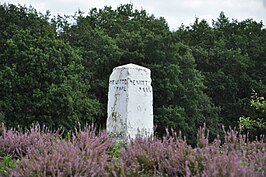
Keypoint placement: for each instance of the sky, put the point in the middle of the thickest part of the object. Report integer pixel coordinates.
(176, 12)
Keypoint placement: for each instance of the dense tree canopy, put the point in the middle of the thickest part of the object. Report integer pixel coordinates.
(41, 77)
(231, 56)
(55, 71)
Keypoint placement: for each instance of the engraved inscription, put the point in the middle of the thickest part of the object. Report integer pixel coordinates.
(143, 85)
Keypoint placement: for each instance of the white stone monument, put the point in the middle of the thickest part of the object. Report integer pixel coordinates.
(130, 102)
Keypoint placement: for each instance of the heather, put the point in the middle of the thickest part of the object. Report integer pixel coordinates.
(39, 151)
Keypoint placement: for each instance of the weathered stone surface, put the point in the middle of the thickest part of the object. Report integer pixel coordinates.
(130, 97)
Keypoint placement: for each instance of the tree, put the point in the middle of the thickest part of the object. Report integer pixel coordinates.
(231, 56)
(41, 77)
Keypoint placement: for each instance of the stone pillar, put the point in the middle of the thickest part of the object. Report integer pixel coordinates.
(130, 98)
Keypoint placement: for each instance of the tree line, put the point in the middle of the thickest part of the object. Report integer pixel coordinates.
(55, 70)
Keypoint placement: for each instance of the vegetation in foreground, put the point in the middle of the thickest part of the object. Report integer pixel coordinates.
(41, 152)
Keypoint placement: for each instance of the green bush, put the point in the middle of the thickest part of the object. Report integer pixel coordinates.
(7, 163)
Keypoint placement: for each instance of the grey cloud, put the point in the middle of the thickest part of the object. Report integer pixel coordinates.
(175, 12)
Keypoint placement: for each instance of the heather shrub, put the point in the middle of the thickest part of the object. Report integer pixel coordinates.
(62, 159)
(153, 156)
(172, 156)
(235, 157)
(83, 155)
(90, 139)
(87, 152)
(17, 142)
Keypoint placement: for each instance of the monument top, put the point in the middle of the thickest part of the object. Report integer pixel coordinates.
(131, 66)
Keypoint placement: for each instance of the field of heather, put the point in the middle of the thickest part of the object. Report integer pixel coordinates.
(86, 152)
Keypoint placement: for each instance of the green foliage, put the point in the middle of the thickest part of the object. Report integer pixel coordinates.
(41, 77)
(115, 149)
(231, 56)
(258, 102)
(254, 125)
(7, 163)
(247, 124)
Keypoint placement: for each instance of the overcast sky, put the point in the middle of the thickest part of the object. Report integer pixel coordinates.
(174, 11)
